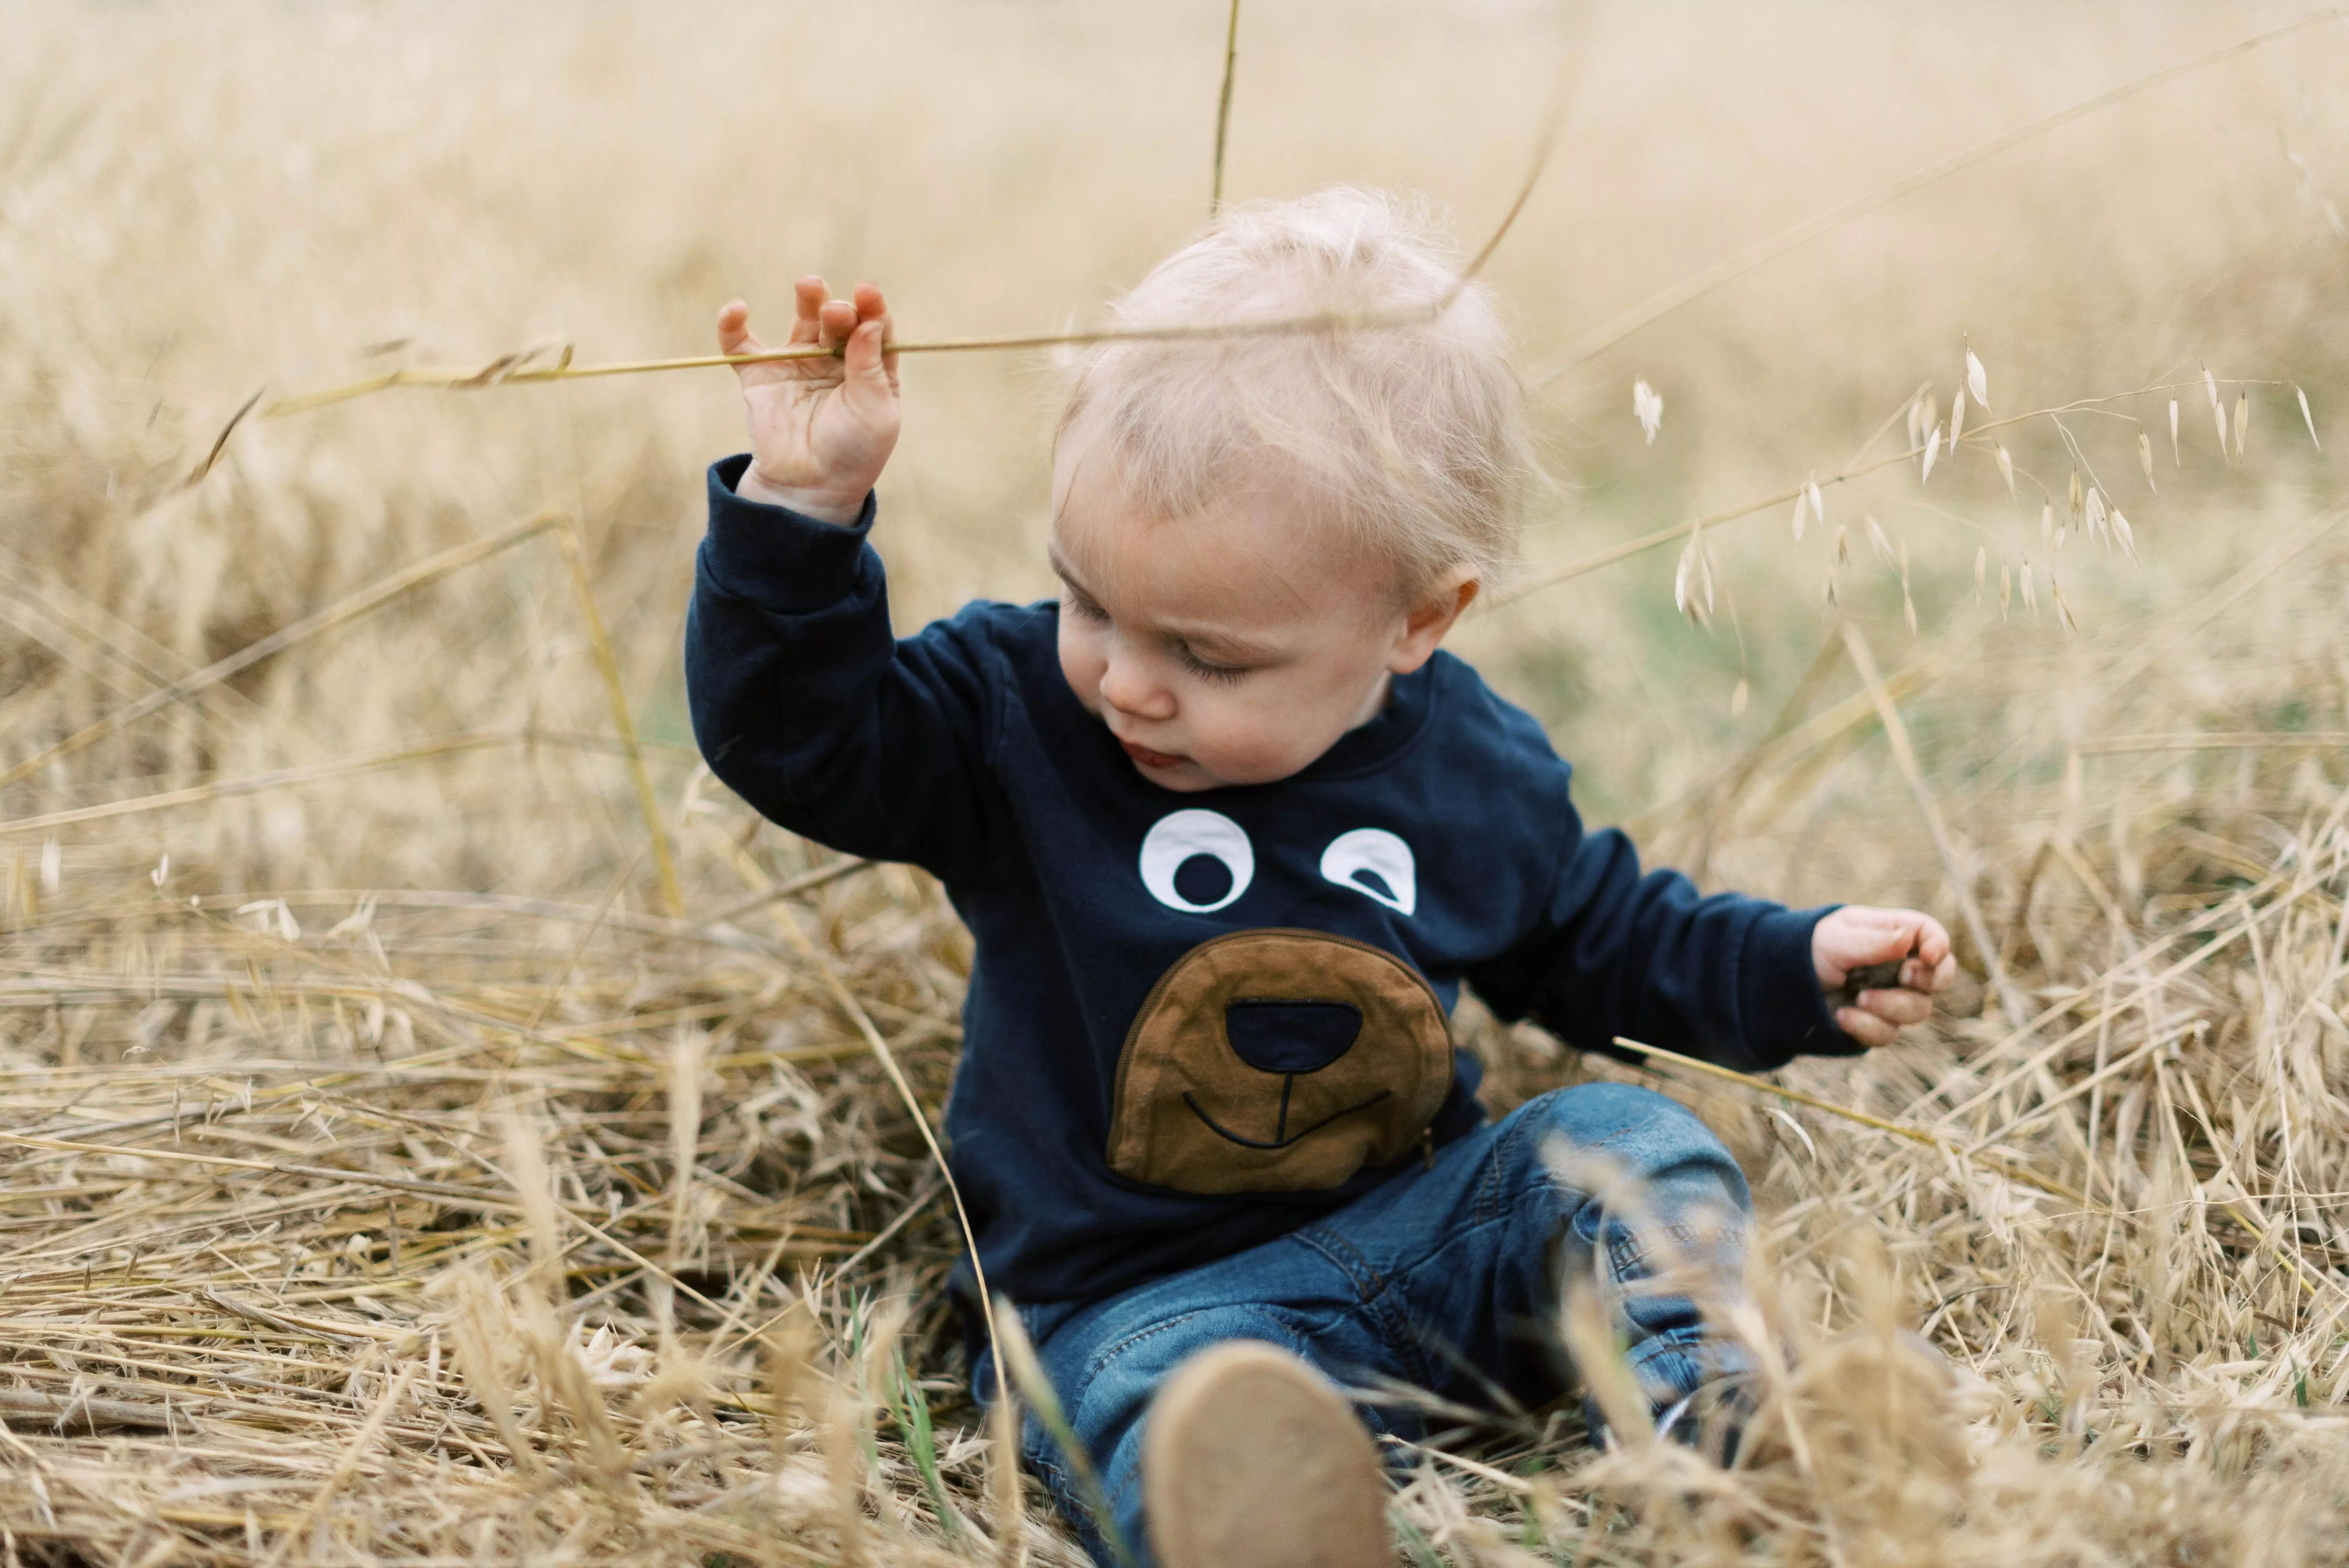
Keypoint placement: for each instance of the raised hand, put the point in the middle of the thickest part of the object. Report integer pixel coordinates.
(821, 429)
(1857, 937)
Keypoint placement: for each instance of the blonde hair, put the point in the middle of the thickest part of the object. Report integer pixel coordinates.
(1409, 429)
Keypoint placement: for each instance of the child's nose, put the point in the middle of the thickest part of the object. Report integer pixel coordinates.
(1128, 687)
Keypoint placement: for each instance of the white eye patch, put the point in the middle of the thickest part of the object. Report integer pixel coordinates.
(1184, 836)
(1368, 860)
(1376, 863)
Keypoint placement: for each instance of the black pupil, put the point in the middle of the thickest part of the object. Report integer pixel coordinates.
(1202, 879)
(1375, 882)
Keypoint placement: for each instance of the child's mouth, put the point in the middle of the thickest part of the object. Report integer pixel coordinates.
(1149, 758)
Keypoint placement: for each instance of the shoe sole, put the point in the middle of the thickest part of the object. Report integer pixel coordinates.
(1253, 1460)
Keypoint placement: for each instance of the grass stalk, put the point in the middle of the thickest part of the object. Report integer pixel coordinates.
(1961, 881)
(607, 667)
(364, 601)
(862, 1021)
(1026, 1372)
(347, 1467)
(509, 370)
(261, 783)
(1654, 308)
(1920, 1135)
(1223, 108)
(1009, 1515)
(1678, 532)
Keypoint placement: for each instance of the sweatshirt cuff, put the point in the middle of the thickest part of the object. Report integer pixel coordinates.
(1785, 1011)
(776, 557)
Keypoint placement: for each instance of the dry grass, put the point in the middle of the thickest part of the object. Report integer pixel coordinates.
(391, 1176)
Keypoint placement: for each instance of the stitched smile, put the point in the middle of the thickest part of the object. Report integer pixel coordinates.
(1224, 1132)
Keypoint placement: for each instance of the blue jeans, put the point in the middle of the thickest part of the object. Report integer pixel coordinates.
(1448, 1278)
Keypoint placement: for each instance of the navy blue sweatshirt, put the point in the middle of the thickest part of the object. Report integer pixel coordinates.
(1196, 1021)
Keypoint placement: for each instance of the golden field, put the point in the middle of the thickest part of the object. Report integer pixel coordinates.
(399, 1170)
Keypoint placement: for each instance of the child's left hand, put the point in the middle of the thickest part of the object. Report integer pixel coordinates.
(1856, 936)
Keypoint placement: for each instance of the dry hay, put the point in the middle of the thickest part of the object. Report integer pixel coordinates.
(354, 1224)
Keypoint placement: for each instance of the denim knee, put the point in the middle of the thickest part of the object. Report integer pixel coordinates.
(1625, 1132)
(1656, 1217)
(1117, 1379)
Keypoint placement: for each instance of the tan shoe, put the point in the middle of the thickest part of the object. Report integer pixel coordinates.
(1253, 1460)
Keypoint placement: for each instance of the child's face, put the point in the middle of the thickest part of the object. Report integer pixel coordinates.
(1234, 646)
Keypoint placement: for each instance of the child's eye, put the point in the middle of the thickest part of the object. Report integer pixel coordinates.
(1083, 608)
(1205, 669)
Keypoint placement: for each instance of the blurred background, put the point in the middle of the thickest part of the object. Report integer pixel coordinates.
(201, 200)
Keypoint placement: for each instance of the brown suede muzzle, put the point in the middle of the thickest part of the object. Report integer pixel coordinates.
(1277, 1061)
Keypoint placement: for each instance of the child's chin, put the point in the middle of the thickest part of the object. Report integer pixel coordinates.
(1190, 775)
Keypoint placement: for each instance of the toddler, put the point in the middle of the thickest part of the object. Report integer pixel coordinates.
(1230, 832)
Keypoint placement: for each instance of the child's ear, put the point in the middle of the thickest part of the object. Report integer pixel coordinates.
(1430, 620)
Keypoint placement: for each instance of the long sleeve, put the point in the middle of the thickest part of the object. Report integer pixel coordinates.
(809, 707)
(1727, 978)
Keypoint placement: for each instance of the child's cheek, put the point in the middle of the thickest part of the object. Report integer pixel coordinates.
(1244, 743)
(1082, 664)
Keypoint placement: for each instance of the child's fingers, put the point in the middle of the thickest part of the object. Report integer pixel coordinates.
(1933, 952)
(807, 306)
(1898, 1007)
(1894, 931)
(872, 307)
(734, 336)
(733, 325)
(734, 329)
(1932, 940)
(1856, 936)
(863, 358)
(836, 321)
(1864, 1027)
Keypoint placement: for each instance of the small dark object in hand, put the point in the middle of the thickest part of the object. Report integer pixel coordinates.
(1881, 976)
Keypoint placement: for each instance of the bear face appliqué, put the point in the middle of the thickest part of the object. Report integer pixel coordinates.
(1276, 1060)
